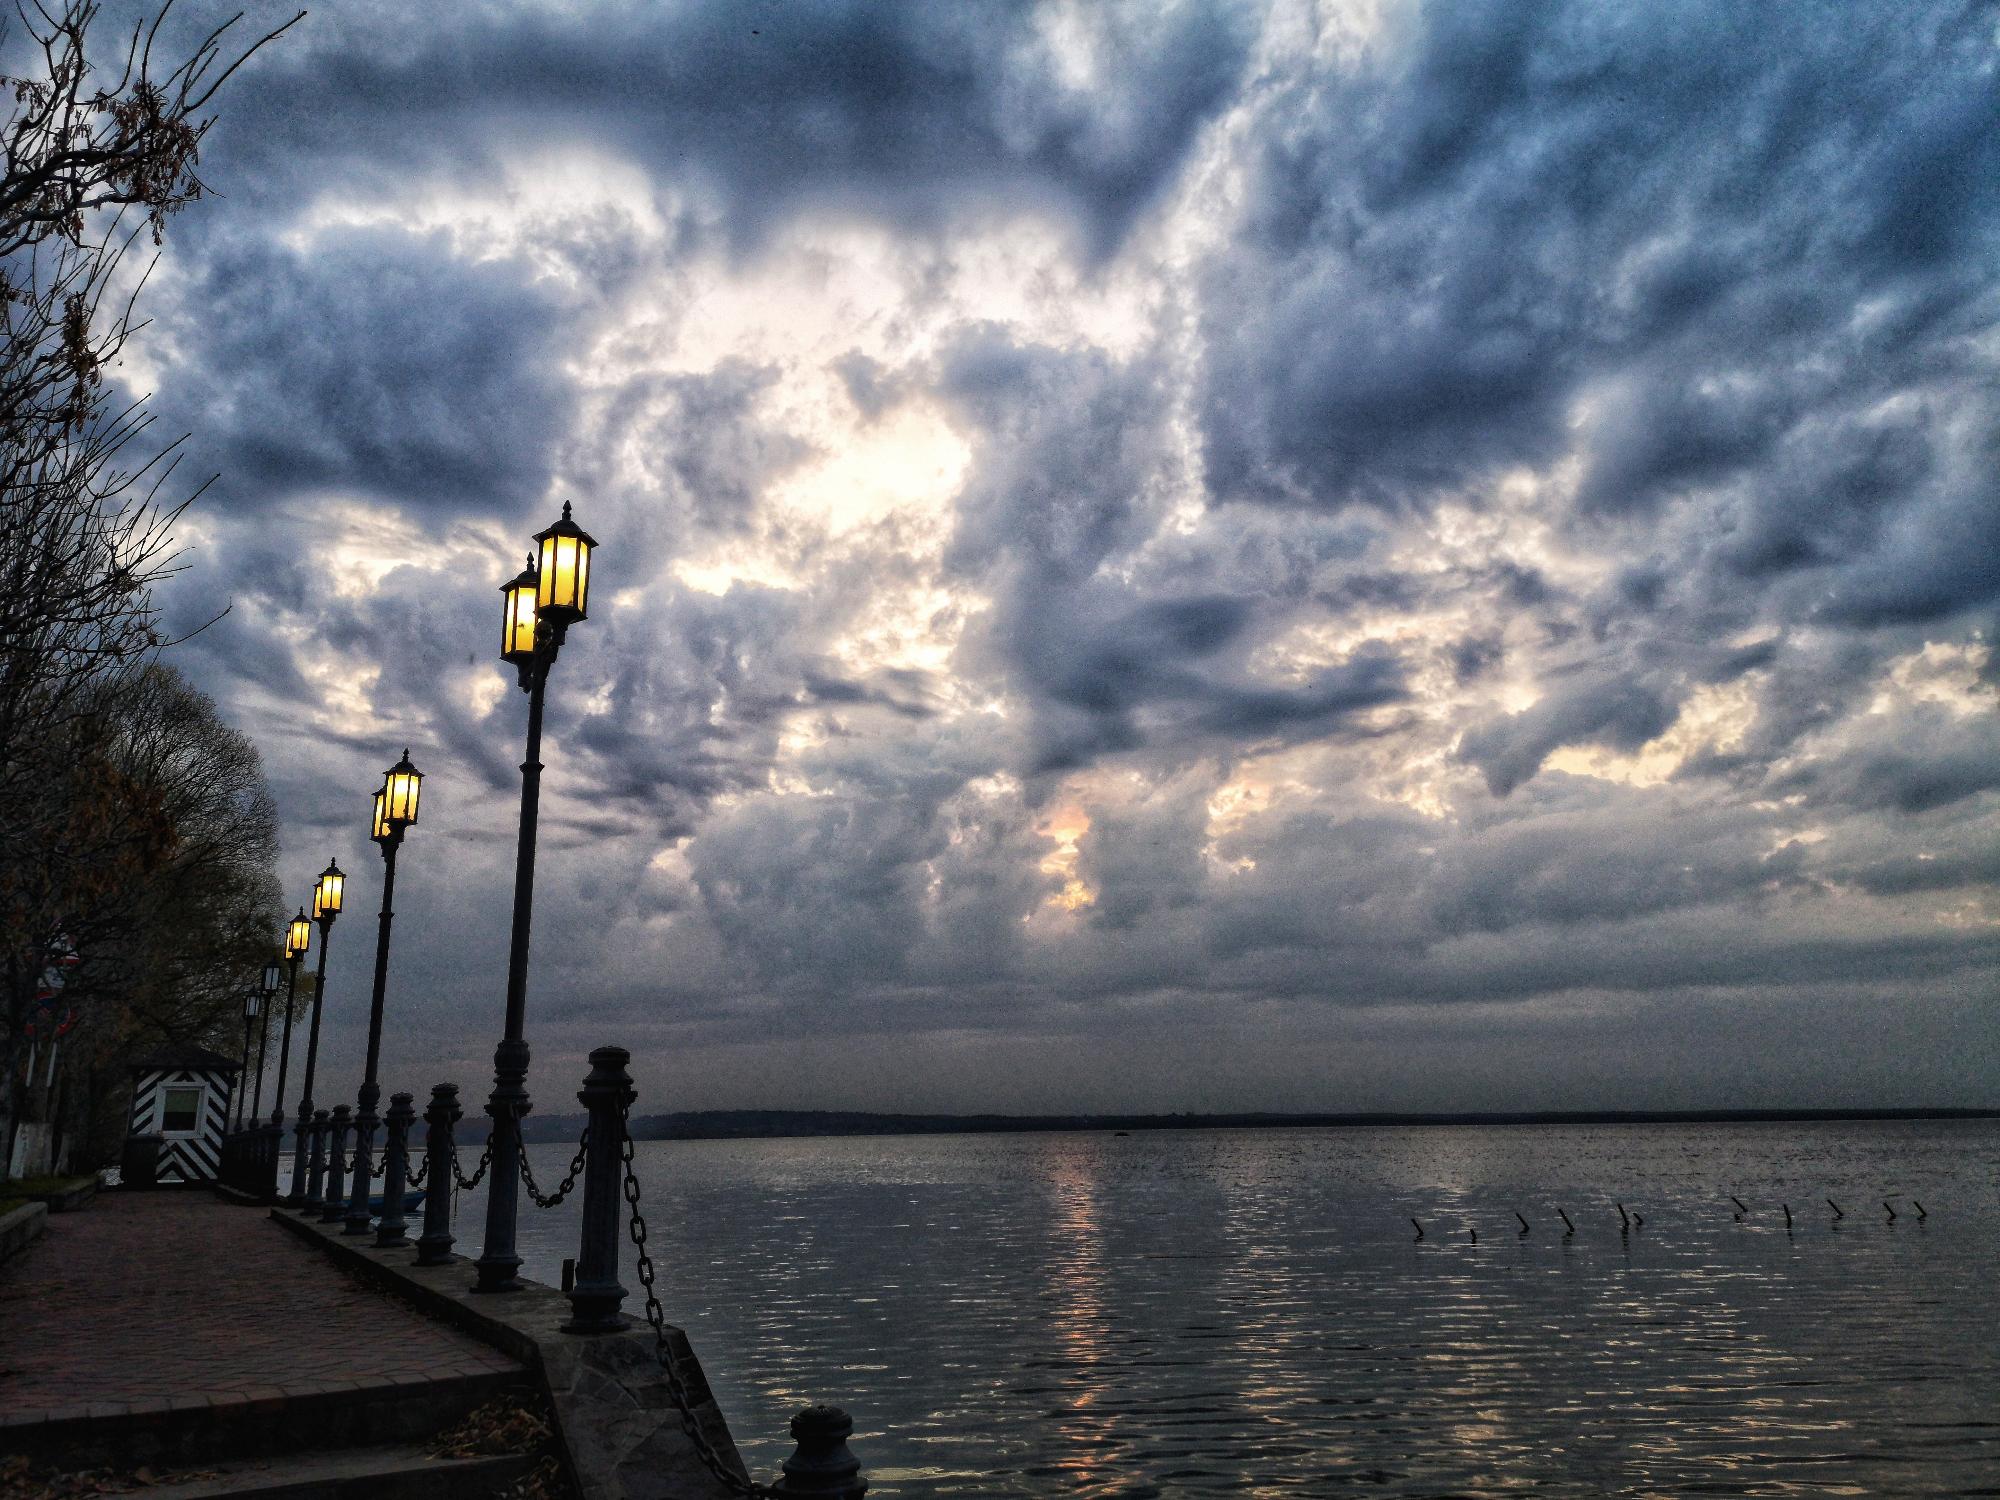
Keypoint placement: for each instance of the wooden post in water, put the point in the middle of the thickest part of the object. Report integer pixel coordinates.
(1568, 1228)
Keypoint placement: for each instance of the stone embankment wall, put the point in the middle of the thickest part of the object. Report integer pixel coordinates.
(621, 1429)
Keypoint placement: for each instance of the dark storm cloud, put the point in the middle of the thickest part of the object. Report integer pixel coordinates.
(1611, 711)
(665, 733)
(1574, 864)
(378, 361)
(1070, 456)
(1072, 474)
(1722, 244)
(1929, 760)
(1738, 261)
(905, 111)
(703, 453)
(1519, 379)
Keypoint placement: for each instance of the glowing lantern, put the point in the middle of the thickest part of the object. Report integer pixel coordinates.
(517, 621)
(400, 790)
(563, 591)
(327, 895)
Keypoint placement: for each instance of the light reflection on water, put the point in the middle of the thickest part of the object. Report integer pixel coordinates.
(1248, 1312)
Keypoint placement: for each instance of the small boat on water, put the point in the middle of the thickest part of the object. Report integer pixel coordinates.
(414, 1198)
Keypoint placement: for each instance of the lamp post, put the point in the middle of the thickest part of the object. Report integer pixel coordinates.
(298, 937)
(253, 1005)
(395, 811)
(328, 894)
(268, 987)
(549, 596)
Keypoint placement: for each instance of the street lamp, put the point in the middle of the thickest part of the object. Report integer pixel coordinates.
(395, 811)
(267, 986)
(540, 605)
(563, 567)
(298, 937)
(328, 894)
(253, 1002)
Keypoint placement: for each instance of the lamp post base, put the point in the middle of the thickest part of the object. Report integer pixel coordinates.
(499, 1266)
(357, 1218)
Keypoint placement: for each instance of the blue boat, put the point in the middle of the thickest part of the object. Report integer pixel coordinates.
(413, 1199)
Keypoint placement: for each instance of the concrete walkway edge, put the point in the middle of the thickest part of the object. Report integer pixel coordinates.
(21, 1227)
(620, 1432)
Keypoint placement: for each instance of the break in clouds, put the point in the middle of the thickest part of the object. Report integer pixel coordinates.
(1152, 556)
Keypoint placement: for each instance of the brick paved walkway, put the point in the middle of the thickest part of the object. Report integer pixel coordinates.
(145, 1301)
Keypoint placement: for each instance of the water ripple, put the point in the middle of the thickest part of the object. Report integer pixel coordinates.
(1249, 1313)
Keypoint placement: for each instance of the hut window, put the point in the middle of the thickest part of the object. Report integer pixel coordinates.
(180, 1110)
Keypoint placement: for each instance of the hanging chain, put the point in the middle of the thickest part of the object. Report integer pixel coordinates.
(550, 1200)
(414, 1176)
(478, 1172)
(677, 1390)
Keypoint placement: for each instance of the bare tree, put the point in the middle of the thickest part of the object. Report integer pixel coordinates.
(95, 155)
(84, 533)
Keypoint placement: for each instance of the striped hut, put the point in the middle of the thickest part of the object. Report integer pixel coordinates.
(181, 1093)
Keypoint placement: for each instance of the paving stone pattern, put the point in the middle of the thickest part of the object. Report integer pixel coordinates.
(147, 1300)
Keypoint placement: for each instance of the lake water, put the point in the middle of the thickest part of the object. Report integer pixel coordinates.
(1250, 1312)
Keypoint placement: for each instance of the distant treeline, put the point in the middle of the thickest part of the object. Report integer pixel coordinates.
(741, 1124)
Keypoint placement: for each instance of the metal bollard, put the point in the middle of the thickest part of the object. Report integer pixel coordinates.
(822, 1466)
(355, 1220)
(304, 1136)
(274, 1152)
(389, 1234)
(335, 1203)
(607, 1093)
(316, 1166)
(434, 1244)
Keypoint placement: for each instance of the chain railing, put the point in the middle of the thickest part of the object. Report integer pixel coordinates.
(604, 1163)
(478, 1173)
(550, 1200)
(656, 1316)
(249, 1161)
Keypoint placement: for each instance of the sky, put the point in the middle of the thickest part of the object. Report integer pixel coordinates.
(1152, 556)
